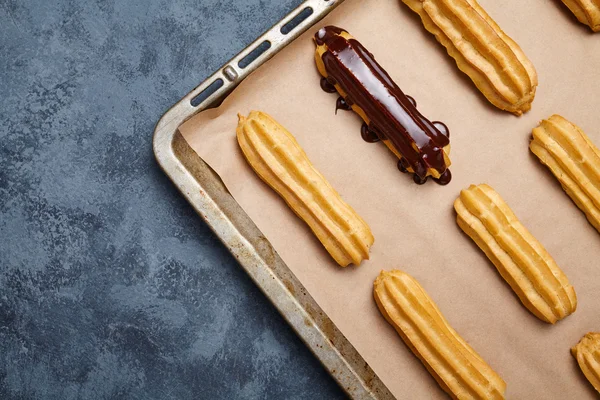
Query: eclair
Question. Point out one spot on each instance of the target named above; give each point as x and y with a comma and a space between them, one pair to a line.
389, 115
456, 367
573, 159
277, 158
519, 257
493, 61
586, 11
587, 354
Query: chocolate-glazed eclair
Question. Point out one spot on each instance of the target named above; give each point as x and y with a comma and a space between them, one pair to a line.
388, 114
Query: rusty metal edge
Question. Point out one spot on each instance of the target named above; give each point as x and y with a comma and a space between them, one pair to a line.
204, 190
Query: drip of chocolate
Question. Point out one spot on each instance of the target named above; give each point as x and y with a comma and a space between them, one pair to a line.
419, 180
442, 128
341, 104
392, 114
327, 86
445, 178
403, 165
367, 134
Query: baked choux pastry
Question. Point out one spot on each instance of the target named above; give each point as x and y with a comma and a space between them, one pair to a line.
586, 11
277, 158
521, 260
587, 354
573, 159
457, 368
493, 61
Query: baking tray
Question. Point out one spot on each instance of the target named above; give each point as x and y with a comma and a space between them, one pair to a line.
204, 190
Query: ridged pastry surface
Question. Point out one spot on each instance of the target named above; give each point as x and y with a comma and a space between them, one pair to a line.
277, 158
587, 354
493, 61
521, 260
586, 11
457, 368
573, 159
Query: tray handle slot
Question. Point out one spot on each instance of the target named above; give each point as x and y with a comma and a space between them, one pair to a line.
297, 20
206, 93
254, 54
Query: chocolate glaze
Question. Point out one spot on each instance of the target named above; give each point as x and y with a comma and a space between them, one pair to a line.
403, 165
419, 180
327, 86
445, 178
367, 134
341, 104
393, 116
442, 128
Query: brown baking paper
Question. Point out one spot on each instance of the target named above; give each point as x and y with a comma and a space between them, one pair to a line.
414, 226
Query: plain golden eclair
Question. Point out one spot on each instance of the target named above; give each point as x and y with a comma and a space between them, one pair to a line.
278, 159
521, 260
587, 354
586, 11
456, 367
495, 63
573, 159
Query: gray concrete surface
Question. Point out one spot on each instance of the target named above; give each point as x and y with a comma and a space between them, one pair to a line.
110, 286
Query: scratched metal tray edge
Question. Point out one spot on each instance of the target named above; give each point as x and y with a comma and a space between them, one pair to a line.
204, 190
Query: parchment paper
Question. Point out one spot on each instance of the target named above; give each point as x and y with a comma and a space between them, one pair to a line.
414, 226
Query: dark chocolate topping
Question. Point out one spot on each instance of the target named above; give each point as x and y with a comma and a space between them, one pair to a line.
441, 127
341, 104
327, 86
391, 113
445, 178
327, 34
419, 180
403, 165
367, 134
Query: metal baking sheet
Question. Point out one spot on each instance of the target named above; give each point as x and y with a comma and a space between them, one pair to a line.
202, 187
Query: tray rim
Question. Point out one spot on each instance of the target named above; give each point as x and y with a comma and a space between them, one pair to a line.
305, 317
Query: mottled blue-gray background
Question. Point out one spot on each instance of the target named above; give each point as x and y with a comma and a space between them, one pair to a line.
110, 285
